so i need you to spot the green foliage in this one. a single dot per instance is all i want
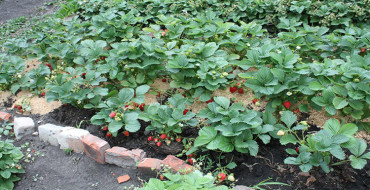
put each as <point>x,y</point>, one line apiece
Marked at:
<point>118,102</point>
<point>169,119</point>
<point>232,127</point>
<point>193,180</point>
<point>5,127</point>
<point>319,149</point>
<point>9,164</point>
<point>10,71</point>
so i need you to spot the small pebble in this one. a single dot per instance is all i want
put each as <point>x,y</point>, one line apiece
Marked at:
<point>35,133</point>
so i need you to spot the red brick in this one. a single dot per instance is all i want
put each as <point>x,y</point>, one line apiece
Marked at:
<point>149,166</point>
<point>123,178</point>
<point>123,157</point>
<point>176,164</point>
<point>138,153</point>
<point>95,148</point>
<point>5,116</point>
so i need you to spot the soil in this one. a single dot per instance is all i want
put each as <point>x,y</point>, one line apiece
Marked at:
<point>270,164</point>
<point>251,170</point>
<point>10,9</point>
<point>58,170</point>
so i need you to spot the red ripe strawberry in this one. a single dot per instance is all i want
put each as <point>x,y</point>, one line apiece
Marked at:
<point>109,135</point>
<point>161,177</point>
<point>297,149</point>
<point>15,107</point>
<point>169,138</point>
<point>222,176</point>
<point>126,133</point>
<point>156,139</point>
<point>185,111</point>
<point>191,161</point>
<point>244,81</point>
<point>159,144</point>
<point>142,106</point>
<point>150,138</point>
<point>297,110</point>
<point>362,50</point>
<point>287,104</point>
<point>233,89</point>
<point>19,107</point>
<point>164,80</point>
<point>231,72</point>
<point>209,101</point>
<point>163,136</point>
<point>43,94</point>
<point>126,106</point>
<point>191,155</point>
<point>254,101</point>
<point>184,95</point>
<point>112,114</point>
<point>178,139</point>
<point>241,91</point>
<point>105,128</point>
<point>159,94</point>
<point>83,74</point>
<point>21,111</point>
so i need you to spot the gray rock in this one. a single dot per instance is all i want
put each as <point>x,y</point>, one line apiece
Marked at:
<point>23,126</point>
<point>48,132</point>
<point>71,138</point>
<point>242,187</point>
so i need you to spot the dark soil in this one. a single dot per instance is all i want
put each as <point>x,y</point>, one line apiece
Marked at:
<point>10,9</point>
<point>270,164</point>
<point>250,170</point>
<point>57,170</point>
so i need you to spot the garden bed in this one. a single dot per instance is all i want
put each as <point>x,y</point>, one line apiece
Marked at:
<point>258,91</point>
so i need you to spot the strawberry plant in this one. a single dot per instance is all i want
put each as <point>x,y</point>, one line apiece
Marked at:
<point>6,128</point>
<point>124,117</point>
<point>9,167</point>
<point>232,127</point>
<point>10,72</point>
<point>71,88</point>
<point>320,148</point>
<point>193,180</point>
<point>169,119</point>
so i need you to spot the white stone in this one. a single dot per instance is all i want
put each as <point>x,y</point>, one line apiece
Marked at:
<point>48,132</point>
<point>71,138</point>
<point>35,133</point>
<point>242,187</point>
<point>23,126</point>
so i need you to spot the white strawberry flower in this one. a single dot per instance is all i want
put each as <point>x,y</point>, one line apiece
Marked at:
<point>280,133</point>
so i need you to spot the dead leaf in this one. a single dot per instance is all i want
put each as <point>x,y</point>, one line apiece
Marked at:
<point>310,180</point>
